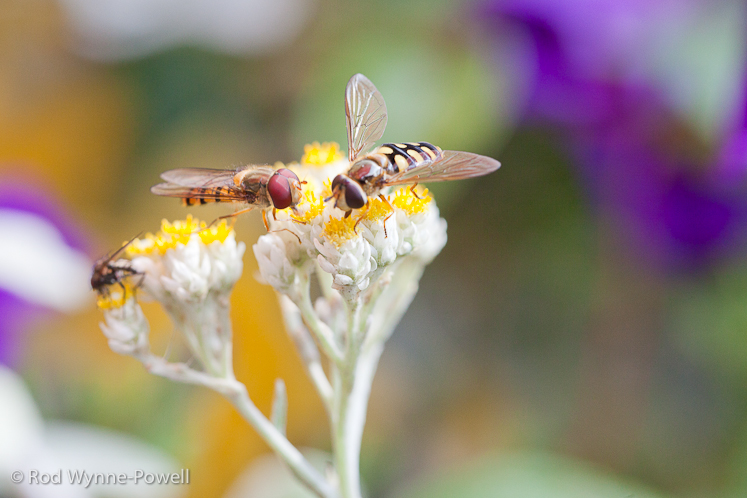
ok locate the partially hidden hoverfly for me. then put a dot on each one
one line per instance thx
(259, 186)
(395, 163)
(107, 273)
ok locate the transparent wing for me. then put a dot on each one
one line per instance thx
(365, 115)
(124, 246)
(225, 193)
(452, 165)
(199, 177)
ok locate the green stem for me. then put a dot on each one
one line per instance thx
(319, 329)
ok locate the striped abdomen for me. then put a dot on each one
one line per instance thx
(205, 195)
(404, 156)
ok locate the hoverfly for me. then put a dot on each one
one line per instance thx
(106, 273)
(259, 186)
(395, 163)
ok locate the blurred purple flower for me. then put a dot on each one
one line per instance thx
(42, 265)
(581, 65)
(570, 57)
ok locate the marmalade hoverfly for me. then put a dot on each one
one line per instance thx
(395, 163)
(259, 186)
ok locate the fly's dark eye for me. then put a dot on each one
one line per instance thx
(337, 181)
(355, 197)
(280, 191)
(287, 173)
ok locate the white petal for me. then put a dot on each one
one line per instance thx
(98, 450)
(38, 266)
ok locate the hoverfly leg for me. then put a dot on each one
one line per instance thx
(264, 220)
(232, 215)
(391, 208)
(267, 225)
(368, 203)
(124, 291)
(412, 189)
(286, 230)
(355, 227)
(296, 212)
(124, 297)
(274, 214)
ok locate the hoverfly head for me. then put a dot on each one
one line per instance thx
(284, 189)
(348, 193)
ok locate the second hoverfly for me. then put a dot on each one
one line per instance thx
(259, 186)
(392, 164)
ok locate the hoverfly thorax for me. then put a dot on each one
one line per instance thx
(284, 189)
(348, 193)
(368, 171)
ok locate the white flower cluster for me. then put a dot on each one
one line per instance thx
(353, 250)
(191, 273)
(125, 326)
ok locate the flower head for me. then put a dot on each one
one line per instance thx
(125, 325)
(190, 269)
(353, 249)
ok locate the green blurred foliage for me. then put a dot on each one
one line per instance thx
(529, 475)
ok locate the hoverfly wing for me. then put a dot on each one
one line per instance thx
(124, 246)
(452, 165)
(365, 115)
(199, 177)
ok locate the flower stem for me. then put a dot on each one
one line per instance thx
(290, 455)
(349, 419)
(237, 394)
(321, 331)
(307, 349)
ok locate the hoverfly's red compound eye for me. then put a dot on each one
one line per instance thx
(279, 188)
(287, 173)
(355, 197)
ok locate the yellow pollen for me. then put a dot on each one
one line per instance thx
(407, 202)
(179, 231)
(181, 227)
(340, 230)
(139, 247)
(375, 210)
(327, 188)
(217, 232)
(317, 154)
(315, 206)
(116, 299)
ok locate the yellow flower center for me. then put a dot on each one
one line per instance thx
(317, 154)
(178, 232)
(340, 230)
(327, 188)
(315, 206)
(407, 202)
(217, 232)
(139, 247)
(375, 210)
(181, 227)
(117, 298)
